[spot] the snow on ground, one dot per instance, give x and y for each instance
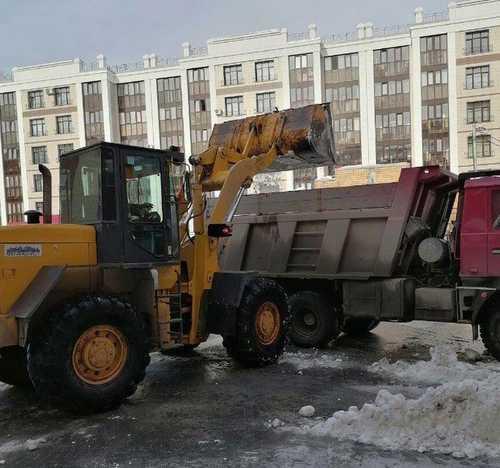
(443, 367)
(309, 360)
(461, 417)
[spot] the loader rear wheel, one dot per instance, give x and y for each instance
(314, 322)
(359, 326)
(490, 332)
(262, 325)
(13, 369)
(91, 355)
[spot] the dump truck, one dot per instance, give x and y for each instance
(351, 257)
(133, 268)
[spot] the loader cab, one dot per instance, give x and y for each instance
(126, 192)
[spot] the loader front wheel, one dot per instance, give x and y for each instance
(13, 369)
(262, 325)
(91, 355)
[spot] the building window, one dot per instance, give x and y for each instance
(233, 75)
(39, 154)
(266, 102)
(234, 106)
(92, 88)
(477, 77)
(435, 77)
(35, 99)
(199, 105)
(264, 71)
(38, 128)
(298, 62)
(62, 96)
(477, 42)
(39, 206)
(63, 149)
(346, 125)
(391, 88)
(37, 183)
(483, 146)
(478, 112)
(63, 124)
(392, 55)
(341, 62)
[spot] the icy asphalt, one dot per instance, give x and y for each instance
(205, 411)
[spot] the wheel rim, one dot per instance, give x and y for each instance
(100, 354)
(267, 323)
(305, 323)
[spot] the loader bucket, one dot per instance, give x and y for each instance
(304, 136)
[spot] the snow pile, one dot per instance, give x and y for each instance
(444, 366)
(310, 360)
(460, 418)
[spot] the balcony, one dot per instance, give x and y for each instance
(349, 106)
(435, 125)
(396, 101)
(393, 133)
(435, 92)
(348, 138)
(385, 70)
(434, 57)
(436, 158)
(342, 76)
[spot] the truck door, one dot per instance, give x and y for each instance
(474, 232)
(494, 234)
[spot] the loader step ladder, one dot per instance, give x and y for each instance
(170, 317)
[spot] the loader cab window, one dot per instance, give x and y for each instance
(81, 188)
(145, 203)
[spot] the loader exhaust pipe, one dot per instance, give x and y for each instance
(47, 193)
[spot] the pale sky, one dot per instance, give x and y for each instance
(39, 31)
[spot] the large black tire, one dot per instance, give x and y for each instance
(55, 362)
(13, 369)
(490, 331)
(256, 343)
(359, 326)
(314, 322)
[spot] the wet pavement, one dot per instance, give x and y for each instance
(206, 411)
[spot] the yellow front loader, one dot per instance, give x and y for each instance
(133, 267)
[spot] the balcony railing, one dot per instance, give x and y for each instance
(391, 30)
(341, 76)
(348, 138)
(383, 70)
(398, 133)
(396, 101)
(434, 57)
(341, 37)
(436, 17)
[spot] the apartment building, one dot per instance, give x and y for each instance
(423, 93)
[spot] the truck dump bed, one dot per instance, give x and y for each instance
(351, 232)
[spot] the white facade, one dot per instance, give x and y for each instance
(246, 91)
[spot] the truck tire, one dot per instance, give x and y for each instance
(359, 326)
(490, 331)
(261, 326)
(314, 322)
(13, 369)
(90, 356)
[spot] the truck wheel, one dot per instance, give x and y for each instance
(262, 325)
(490, 332)
(13, 369)
(314, 322)
(360, 326)
(91, 356)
